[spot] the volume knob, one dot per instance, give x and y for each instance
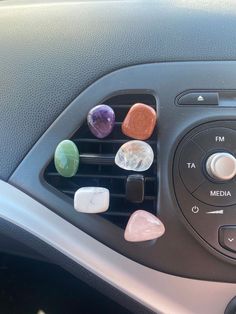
(221, 166)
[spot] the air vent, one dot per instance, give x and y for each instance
(97, 167)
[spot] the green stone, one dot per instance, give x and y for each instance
(66, 158)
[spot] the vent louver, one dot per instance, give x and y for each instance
(97, 167)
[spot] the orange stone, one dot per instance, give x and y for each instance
(139, 122)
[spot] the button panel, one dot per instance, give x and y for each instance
(207, 202)
(192, 166)
(199, 98)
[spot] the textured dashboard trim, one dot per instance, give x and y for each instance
(50, 52)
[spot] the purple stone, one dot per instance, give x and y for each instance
(101, 120)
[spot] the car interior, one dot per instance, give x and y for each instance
(118, 156)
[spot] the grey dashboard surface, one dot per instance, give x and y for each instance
(51, 51)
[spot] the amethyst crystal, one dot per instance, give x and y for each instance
(101, 120)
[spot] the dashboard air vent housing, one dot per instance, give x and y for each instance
(97, 167)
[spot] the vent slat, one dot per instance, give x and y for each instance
(101, 176)
(121, 106)
(146, 197)
(106, 141)
(97, 167)
(97, 159)
(116, 213)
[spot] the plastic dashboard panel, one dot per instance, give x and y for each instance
(192, 258)
(52, 50)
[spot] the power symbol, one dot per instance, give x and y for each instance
(195, 209)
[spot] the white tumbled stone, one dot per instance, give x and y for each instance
(92, 200)
(135, 156)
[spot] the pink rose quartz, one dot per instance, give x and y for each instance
(143, 226)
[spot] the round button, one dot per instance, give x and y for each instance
(221, 166)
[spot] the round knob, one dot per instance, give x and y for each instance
(221, 166)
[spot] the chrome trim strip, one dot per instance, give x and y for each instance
(159, 292)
